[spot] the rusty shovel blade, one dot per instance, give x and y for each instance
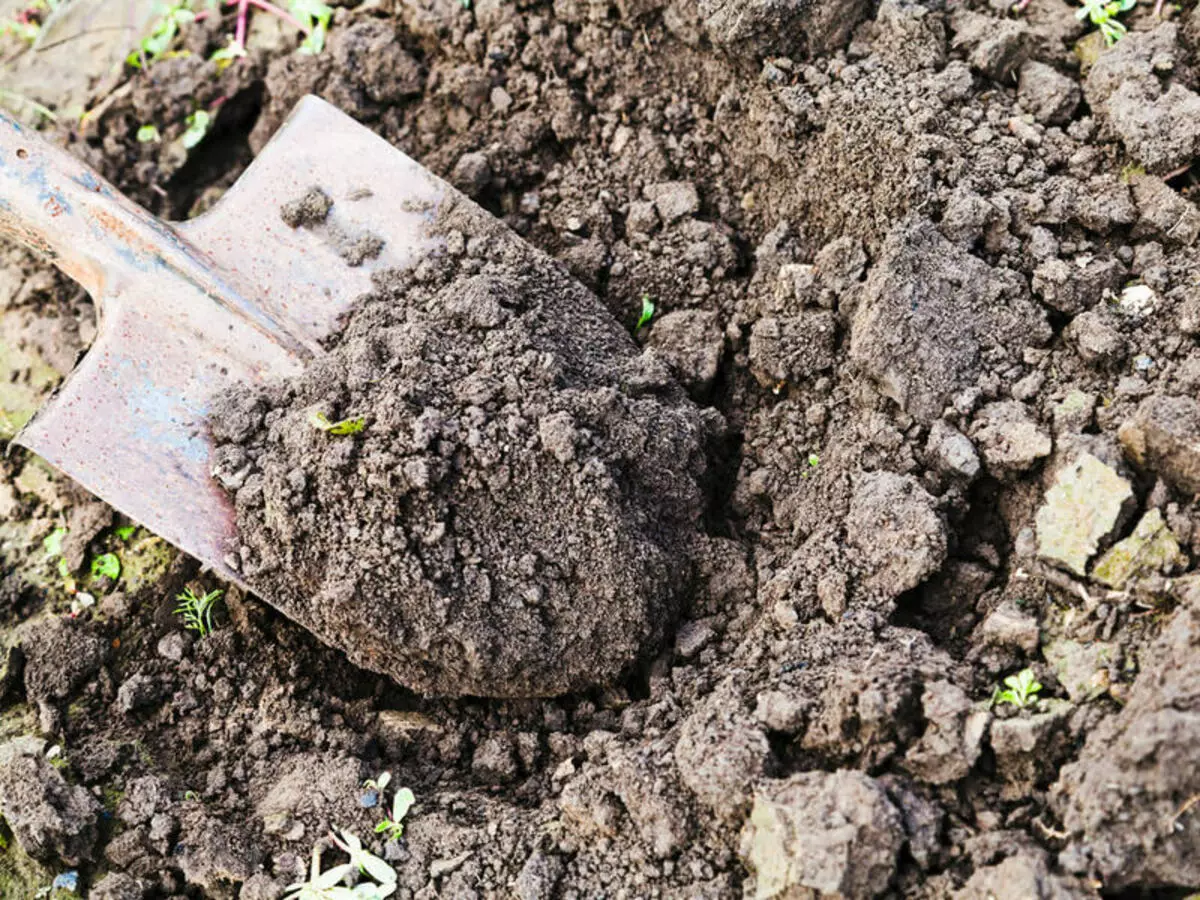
(188, 310)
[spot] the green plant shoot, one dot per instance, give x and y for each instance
(648, 310)
(197, 610)
(107, 565)
(154, 46)
(315, 16)
(1021, 690)
(197, 128)
(1103, 14)
(392, 827)
(346, 426)
(148, 134)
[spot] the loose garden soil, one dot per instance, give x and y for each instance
(712, 607)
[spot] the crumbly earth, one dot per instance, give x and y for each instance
(518, 516)
(935, 267)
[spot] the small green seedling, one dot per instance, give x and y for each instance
(648, 310)
(392, 827)
(314, 17)
(361, 859)
(107, 565)
(1103, 14)
(148, 134)
(125, 532)
(380, 783)
(352, 425)
(197, 610)
(197, 128)
(156, 45)
(1022, 690)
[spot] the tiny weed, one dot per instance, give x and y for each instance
(107, 565)
(648, 310)
(1103, 14)
(352, 425)
(148, 134)
(157, 44)
(197, 128)
(329, 885)
(813, 461)
(125, 532)
(197, 610)
(1021, 690)
(392, 827)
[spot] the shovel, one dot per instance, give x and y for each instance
(188, 310)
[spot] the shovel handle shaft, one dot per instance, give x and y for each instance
(58, 206)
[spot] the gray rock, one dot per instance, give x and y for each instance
(1010, 441)
(1074, 413)
(951, 452)
(673, 199)
(1048, 95)
(1163, 437)
(894, 526)
(1151, 550)
(692, 343)
(822, 834)
(49, 817)
(792, 349)
(692, 637)
(1086, 504)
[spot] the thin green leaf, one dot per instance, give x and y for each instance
(107, 565)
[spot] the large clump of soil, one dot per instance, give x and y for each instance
(514, 519)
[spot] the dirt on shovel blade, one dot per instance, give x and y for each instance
(864, 568)
(485, 489)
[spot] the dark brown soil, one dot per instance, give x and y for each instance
(939, 280)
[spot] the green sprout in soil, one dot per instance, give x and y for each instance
(148, 134)
(351, 425)
(1021, 690)
(1103, 14)
(312, 17)
(197, 610)
(197, 128)
(392, 827)
(648, 310)
(106, 565)
(166, 26)
(125, 532)
(329, 885)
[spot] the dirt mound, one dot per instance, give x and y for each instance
(942, 644)
(517, 516)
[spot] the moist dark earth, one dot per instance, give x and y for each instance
(916, 411)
